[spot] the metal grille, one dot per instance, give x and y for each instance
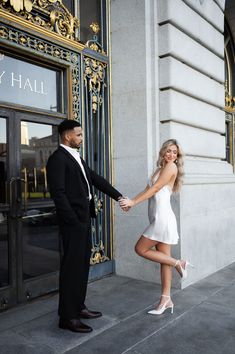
(97, 132)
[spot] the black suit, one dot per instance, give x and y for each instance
(69, 191)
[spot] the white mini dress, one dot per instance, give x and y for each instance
(163, 226)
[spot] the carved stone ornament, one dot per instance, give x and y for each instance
(50, 14)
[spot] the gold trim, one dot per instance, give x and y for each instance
(70, 93)
(109, 69)
(229, 102)
(33, 111)
(40, 31)
(19, 5)
(95, 27)
(94, 74)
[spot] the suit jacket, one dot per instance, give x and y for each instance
(69, 189)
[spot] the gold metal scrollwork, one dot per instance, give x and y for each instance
(19, 5)
(50, 14)
(229, 100)
(98, 204)
(94, 76)
(64, 25)
(98, 254)
(93, 43)
(95, 27)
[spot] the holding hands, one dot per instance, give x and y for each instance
(125, 203)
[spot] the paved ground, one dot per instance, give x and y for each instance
(203, 321)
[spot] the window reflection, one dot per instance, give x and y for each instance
(40, 242)
(3, 155)
(70, 5)
(4, 278)
(38, 141)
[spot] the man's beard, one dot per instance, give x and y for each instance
(74, 145)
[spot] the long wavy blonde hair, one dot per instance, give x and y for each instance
(179, 162)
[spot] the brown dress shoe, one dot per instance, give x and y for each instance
(74, 325)
(85, 313)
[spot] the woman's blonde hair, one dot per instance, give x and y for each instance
(179, 162)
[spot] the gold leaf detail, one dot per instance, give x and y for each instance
(95, 27)
(94, 47)
(19, 5)
(50, 14)
(23, 39)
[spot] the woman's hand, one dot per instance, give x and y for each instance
(126, 203)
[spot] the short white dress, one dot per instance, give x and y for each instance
(163, 226)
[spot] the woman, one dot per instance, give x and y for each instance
(162, 231)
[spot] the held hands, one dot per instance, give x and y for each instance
(126, 203)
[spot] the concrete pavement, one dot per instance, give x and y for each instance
(203, 320)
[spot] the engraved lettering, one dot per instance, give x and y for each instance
(15, 80)
(1, 75)
(42, 89)
(28, 84)
(35, 87)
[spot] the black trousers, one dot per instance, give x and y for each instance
(74, 269)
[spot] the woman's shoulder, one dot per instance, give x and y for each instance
(171, 167)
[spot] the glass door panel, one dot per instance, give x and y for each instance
(38, 141)
(39, 229)
(40, 242)
(4, 208)
(4, 272)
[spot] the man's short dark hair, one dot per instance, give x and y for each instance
(67, 124)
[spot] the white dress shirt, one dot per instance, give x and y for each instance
(77, 157)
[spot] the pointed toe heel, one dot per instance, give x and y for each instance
(183, 271)
(163, 308)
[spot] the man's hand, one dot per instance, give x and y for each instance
(119, 200)
(123, 202)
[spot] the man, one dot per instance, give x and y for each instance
(70, 182)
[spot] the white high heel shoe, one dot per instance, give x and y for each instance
(163, 308)
(184, 271)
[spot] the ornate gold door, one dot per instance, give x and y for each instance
(46, 75)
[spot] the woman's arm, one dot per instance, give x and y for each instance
(169, 171)
(143, 192)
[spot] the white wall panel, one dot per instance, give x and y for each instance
(210, 10)
(178, 13)
(221, 3)
(174, 74)
(176, 43)
(195, 141)
(185, 109)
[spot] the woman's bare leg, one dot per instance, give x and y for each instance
(144, 249)
(166, 275)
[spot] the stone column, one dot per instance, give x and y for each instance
(135, 109)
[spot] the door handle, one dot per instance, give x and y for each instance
(12, 180)
(44, 171)
(25, 181)
(17, 192)
(12, 205)
(38, 215)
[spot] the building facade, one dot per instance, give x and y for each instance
(168, 82)
(135, 73)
